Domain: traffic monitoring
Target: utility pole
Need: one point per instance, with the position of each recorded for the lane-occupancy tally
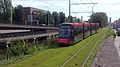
(11, 12)
(7, 53)
(92, 10)
(69, 7)
(110, 20)
(48, 19)
(69, 18)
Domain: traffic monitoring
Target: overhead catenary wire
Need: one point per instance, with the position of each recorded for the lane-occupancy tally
(85, 4)
(51, 4)
(95, 6)
(54, 5)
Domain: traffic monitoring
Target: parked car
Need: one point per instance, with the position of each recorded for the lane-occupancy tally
(118, 31)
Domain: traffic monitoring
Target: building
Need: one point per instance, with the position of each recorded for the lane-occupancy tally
(31, 15)
(74, 19)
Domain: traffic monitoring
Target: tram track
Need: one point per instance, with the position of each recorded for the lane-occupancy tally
(90, 42)
(91, 52)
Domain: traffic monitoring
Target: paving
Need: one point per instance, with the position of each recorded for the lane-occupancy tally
(108, 55)
(117, 45)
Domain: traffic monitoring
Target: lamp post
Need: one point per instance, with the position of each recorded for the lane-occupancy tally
(7, 56)
(34, 40)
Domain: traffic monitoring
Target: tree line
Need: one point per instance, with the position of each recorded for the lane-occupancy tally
(99, 17)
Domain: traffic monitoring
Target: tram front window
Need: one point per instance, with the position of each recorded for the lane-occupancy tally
(64, 33)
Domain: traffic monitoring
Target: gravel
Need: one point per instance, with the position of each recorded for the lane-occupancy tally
(107, 56)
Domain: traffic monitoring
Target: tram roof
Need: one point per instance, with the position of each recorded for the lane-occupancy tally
(79, 24)
(73, 24)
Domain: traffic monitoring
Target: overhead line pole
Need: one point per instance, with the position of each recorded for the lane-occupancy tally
(69, 7)
(92, 9)
(69, 11)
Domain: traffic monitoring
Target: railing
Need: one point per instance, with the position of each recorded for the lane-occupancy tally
(5, 39)
(6, 35)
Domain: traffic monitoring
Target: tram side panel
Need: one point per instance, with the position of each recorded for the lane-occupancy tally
(78, 33)
(86, 30)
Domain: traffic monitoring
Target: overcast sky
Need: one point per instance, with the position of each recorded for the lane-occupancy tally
(110, 7)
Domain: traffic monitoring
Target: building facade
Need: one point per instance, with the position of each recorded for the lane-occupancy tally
(31, 16)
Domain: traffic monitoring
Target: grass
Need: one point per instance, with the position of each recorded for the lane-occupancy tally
(55, 57)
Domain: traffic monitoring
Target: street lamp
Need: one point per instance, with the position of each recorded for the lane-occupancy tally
(7, 43)
(34, 40)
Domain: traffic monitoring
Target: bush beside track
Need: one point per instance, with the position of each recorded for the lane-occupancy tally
(56, 57)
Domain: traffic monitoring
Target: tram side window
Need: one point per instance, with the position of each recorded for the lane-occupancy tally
(81, 29)
(88, 27)
(77, 30)
(91, 27)
(94, 27)
(85, 28)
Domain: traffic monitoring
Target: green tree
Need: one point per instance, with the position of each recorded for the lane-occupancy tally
(18, 15)
(18, 47)
(48, 15)
(70, 19)
(99, 17)
(42, 18)
(66, 19)
(55, 18)
(61, 17)
(5, 11)
(78, 20)
(45, 17)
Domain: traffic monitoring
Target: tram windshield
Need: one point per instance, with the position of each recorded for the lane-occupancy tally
(64, 32)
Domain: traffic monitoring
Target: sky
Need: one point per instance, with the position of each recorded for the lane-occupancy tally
(110, 7)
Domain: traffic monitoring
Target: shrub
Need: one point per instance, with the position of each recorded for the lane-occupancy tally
(17, 48)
